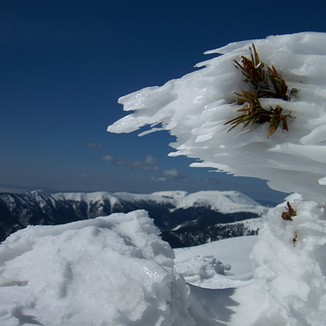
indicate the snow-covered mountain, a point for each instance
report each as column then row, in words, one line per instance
column 184, row 219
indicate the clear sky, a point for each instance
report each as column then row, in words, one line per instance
column 64, row 64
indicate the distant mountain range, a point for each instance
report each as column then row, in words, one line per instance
column 184, row 219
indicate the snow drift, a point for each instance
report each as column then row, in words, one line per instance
column 105, row 271
column 289, row 264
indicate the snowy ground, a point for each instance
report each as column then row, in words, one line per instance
column 217, row 265
column 117, row 271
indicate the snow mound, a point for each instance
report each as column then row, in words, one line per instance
column 194, row 109
column 202, row 268
column 217, row 265
column 290, row 266
column 107, row 271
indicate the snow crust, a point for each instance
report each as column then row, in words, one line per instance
column 195, row 107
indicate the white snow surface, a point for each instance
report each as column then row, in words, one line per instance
column 116, row 270
column 195, row 107
column 87, row 196
column 105, row 271
column 222, row 201
column 220, row 264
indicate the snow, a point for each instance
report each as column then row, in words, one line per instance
column 176, row 194
column 290, row 258
column 142, row 197
column 195, row 107
column 105, row 271
column 283, row 283
column 113, row 270
column 87, row 197
column 116, row 270
column 220, row 264
column 221, row 201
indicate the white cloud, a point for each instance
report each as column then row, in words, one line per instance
column 169, row 175
column 94, row 145
column 149, row 163
column 108, row 158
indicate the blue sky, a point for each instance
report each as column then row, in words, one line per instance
column 64, row 64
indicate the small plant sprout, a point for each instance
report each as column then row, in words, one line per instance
column 290, row 213
column 295, row 238
column 265, row 83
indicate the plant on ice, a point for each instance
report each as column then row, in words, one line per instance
column 265, row 83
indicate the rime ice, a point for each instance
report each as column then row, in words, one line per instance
column 195, row 107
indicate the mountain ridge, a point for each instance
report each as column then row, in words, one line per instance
column 176, row 213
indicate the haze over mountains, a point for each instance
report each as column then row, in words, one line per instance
column 184, row 219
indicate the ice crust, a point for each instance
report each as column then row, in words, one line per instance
column 195, row 107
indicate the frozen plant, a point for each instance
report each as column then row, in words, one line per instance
column 195, row 110
column 265, row 83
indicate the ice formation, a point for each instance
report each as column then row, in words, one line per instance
column 195, row 107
